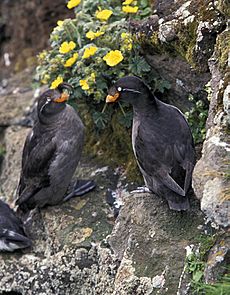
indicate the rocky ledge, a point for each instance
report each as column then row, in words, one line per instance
column 79, row 247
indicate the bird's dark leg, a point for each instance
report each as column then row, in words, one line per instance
column 79, row 188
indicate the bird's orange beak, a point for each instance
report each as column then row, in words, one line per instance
column 112, row 98
column 64, row 97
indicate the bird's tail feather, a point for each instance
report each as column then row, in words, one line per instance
column 14, row 240
column 179, row 205
column 80, row 188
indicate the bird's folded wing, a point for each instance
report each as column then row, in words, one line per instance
column 36, row 160
column 39, row 159
column 63, row 163
column 168, row 181
column 14, row 237
column 157, row 161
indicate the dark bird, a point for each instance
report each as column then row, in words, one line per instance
column 51, row 153
column 12, row 236
column 162, row 141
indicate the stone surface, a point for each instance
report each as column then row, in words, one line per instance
column 11, row 166
column 184, row 81
column 72, row 252
column 21, row 42
column 150, row 241
column 16, row 98
column 211, row 180
column 187, row 43
column 218, row 260
column 79, row 247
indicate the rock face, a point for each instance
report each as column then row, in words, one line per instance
column 21, row 42
column 211, row 180
column 77, row 246
column 190, row 38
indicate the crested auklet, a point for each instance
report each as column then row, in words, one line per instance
column 12, row 236
column 162, row 141
column 51, row 153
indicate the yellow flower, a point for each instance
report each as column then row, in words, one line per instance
column 103, row 15
column 73, row 3
column 71, row 60
column 42, row 55
column 93, row 76
column 127, row 2
column 84, row 85
column 90, row 51
column 91, row 35
column 67, row 47
column 113, row 58
column 56, row 82
column 45, row 79
column 126, row 37
column 60, row 23
column 129, row 9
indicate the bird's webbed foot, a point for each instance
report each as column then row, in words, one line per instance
column 79, row 188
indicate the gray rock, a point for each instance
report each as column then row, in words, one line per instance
column 211, row 180
column 150, row 241
column 77, row 247
column 17, row 99
column 218, row 260
column 183, row 80
column 78, row 250
column 11, row 165
column 167, row 31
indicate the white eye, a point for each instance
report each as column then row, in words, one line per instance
column 119, row 89
column 48, row 99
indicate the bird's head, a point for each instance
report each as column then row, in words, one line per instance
column 53, row 101
column 128, row 89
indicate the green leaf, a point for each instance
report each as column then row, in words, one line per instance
column 162, row 85
column 139, row 66
column 127, row 119
column 197, row 275
column 100, row 119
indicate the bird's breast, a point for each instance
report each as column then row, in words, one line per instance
column 136, row 124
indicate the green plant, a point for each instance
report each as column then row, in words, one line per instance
column 222, row 287
column 196, row 259
column 95, row 49
column 195, row 265
column 197, row 117
column 2, row 150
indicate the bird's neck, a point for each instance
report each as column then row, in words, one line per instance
column 51, row 122
column 147, row 104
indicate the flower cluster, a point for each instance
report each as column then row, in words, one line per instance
column 93, row 49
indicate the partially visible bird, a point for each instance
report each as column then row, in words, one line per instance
column 12, row 236
column 162, row 141
column 51, row 153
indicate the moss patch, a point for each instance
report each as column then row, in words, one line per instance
column 112, row 145
column 222, row 49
